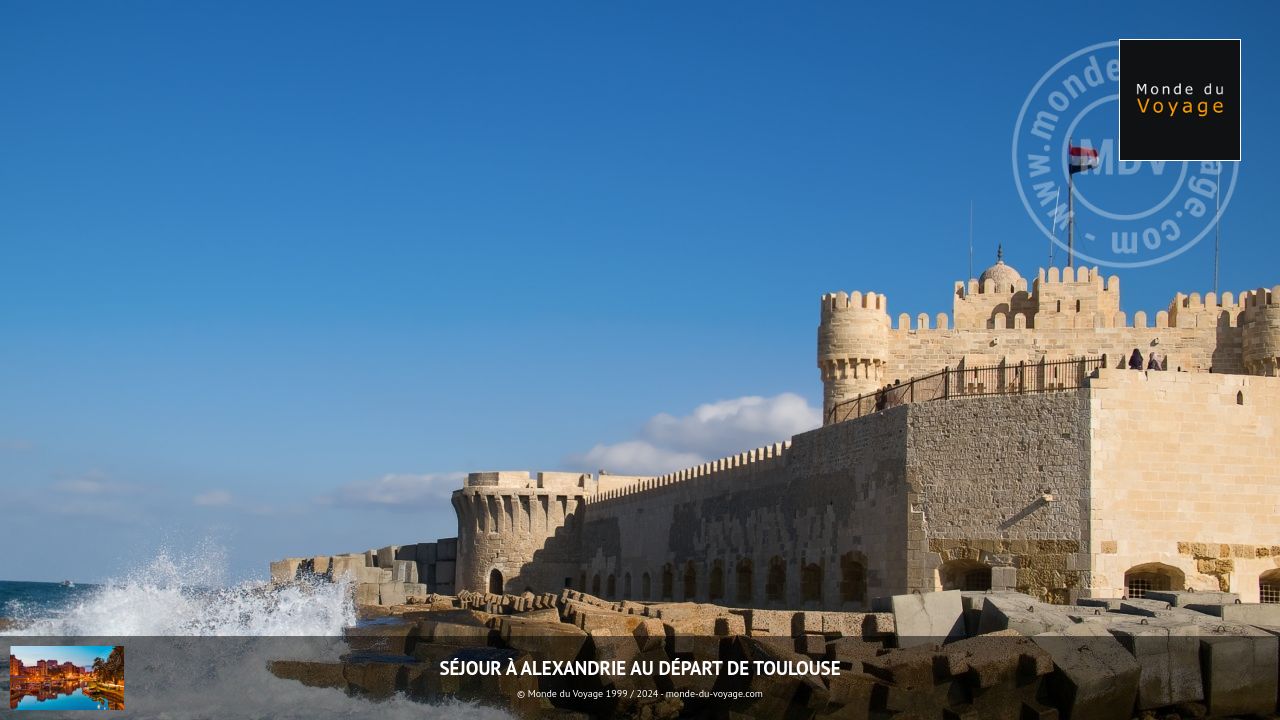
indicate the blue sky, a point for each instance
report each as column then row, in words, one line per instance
column 80, row 655
column 274, row 273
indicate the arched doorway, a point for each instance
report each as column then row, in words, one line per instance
column 495, row 581
column 775, row 586
column 964, row 574
column 715, row 590
column 853, row 578
column 690, row 581
column 744, row 580
column 1269, row 587
column 668, row 582
column 1140, row 579
column 626, row 586
column 611, row 587
column 645, row 586
column 811, row 582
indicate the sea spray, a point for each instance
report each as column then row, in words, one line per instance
column 197, row 648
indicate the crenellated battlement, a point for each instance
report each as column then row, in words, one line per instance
column 1063, row 312
column 756, row 459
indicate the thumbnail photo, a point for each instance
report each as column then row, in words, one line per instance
column 68, row 677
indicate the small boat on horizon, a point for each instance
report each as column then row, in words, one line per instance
column 68, row 583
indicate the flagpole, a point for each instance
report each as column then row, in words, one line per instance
column 1057, row 214
column 1071, row 210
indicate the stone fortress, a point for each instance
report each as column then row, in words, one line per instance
column 1121, row 482
column 1028, row 458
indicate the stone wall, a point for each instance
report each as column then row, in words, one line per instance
column 1000, row 481
column 822, row 524
column 1185, row 471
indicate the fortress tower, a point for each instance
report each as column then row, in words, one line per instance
column 1066, row 312
column 853, row 344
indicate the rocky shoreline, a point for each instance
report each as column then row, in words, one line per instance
column 949, row 654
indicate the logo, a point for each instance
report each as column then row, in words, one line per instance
column 1126, row 213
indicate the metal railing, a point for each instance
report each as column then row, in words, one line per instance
column 1001, row 379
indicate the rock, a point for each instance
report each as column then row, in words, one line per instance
column 309, row 672
column 385, row 638
column 782, row 695
column 650, row 634
column 366, row 594
column 404, row 571
column 543, row 641
column 852, row 651
column 387, row 556
column 926, row 618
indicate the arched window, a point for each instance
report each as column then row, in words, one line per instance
column 1152, row 576
column 495, row 582
column 1269, row 586
column 595, row 585
column 644, row 586
column 626, row 585
column 744, row 573
column 964, row 574
column 668, row 582
column 611, row 587
column 1240, row 397
column 775, row 586
column 853, row 577
column 690, row 581
column 715, row 590
column 811, row 582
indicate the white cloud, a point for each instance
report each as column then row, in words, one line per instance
column 398, row 491
column 633, row 457
column 93, row 483
column 712, row 430
column 213, row 498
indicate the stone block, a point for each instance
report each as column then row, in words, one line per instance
column 1189, row 598
column 1240, row 669
column 1004, row 578
column 926, row 618
column 544, row 641
column 1168, row 654
column 770, row 622
column 347, row 567
column 405, row 571
column 285, row 570
column 426, row 553
column 391, row 593
column 445, row 572
column 1021, row 613
column 366, row 594
column 373, row 575
column 447, row 549
column 320, row 564
column 1249, row 613
column 382, row 638
column 459, row 634
column 387, row 556
column 407, row 552
column 650, row 634
column 1094, row 677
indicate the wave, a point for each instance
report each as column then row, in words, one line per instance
column 195, row 648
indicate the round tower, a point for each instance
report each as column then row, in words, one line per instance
column 1260, row 338
column 853, row 345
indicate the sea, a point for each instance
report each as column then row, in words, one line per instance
column 198, row 649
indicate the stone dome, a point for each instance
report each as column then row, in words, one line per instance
column 1003, row 275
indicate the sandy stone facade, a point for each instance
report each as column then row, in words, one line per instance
column 1132, row 481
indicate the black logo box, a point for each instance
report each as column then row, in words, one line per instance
column 1180, row 65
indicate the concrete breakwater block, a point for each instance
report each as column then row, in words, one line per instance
column 1094, row 677
column 1024, row 614
column 1190, row 598
column 925, row 618
column 1240, row 668
column 1168, row 655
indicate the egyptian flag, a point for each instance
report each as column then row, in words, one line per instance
column 1082, row 159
